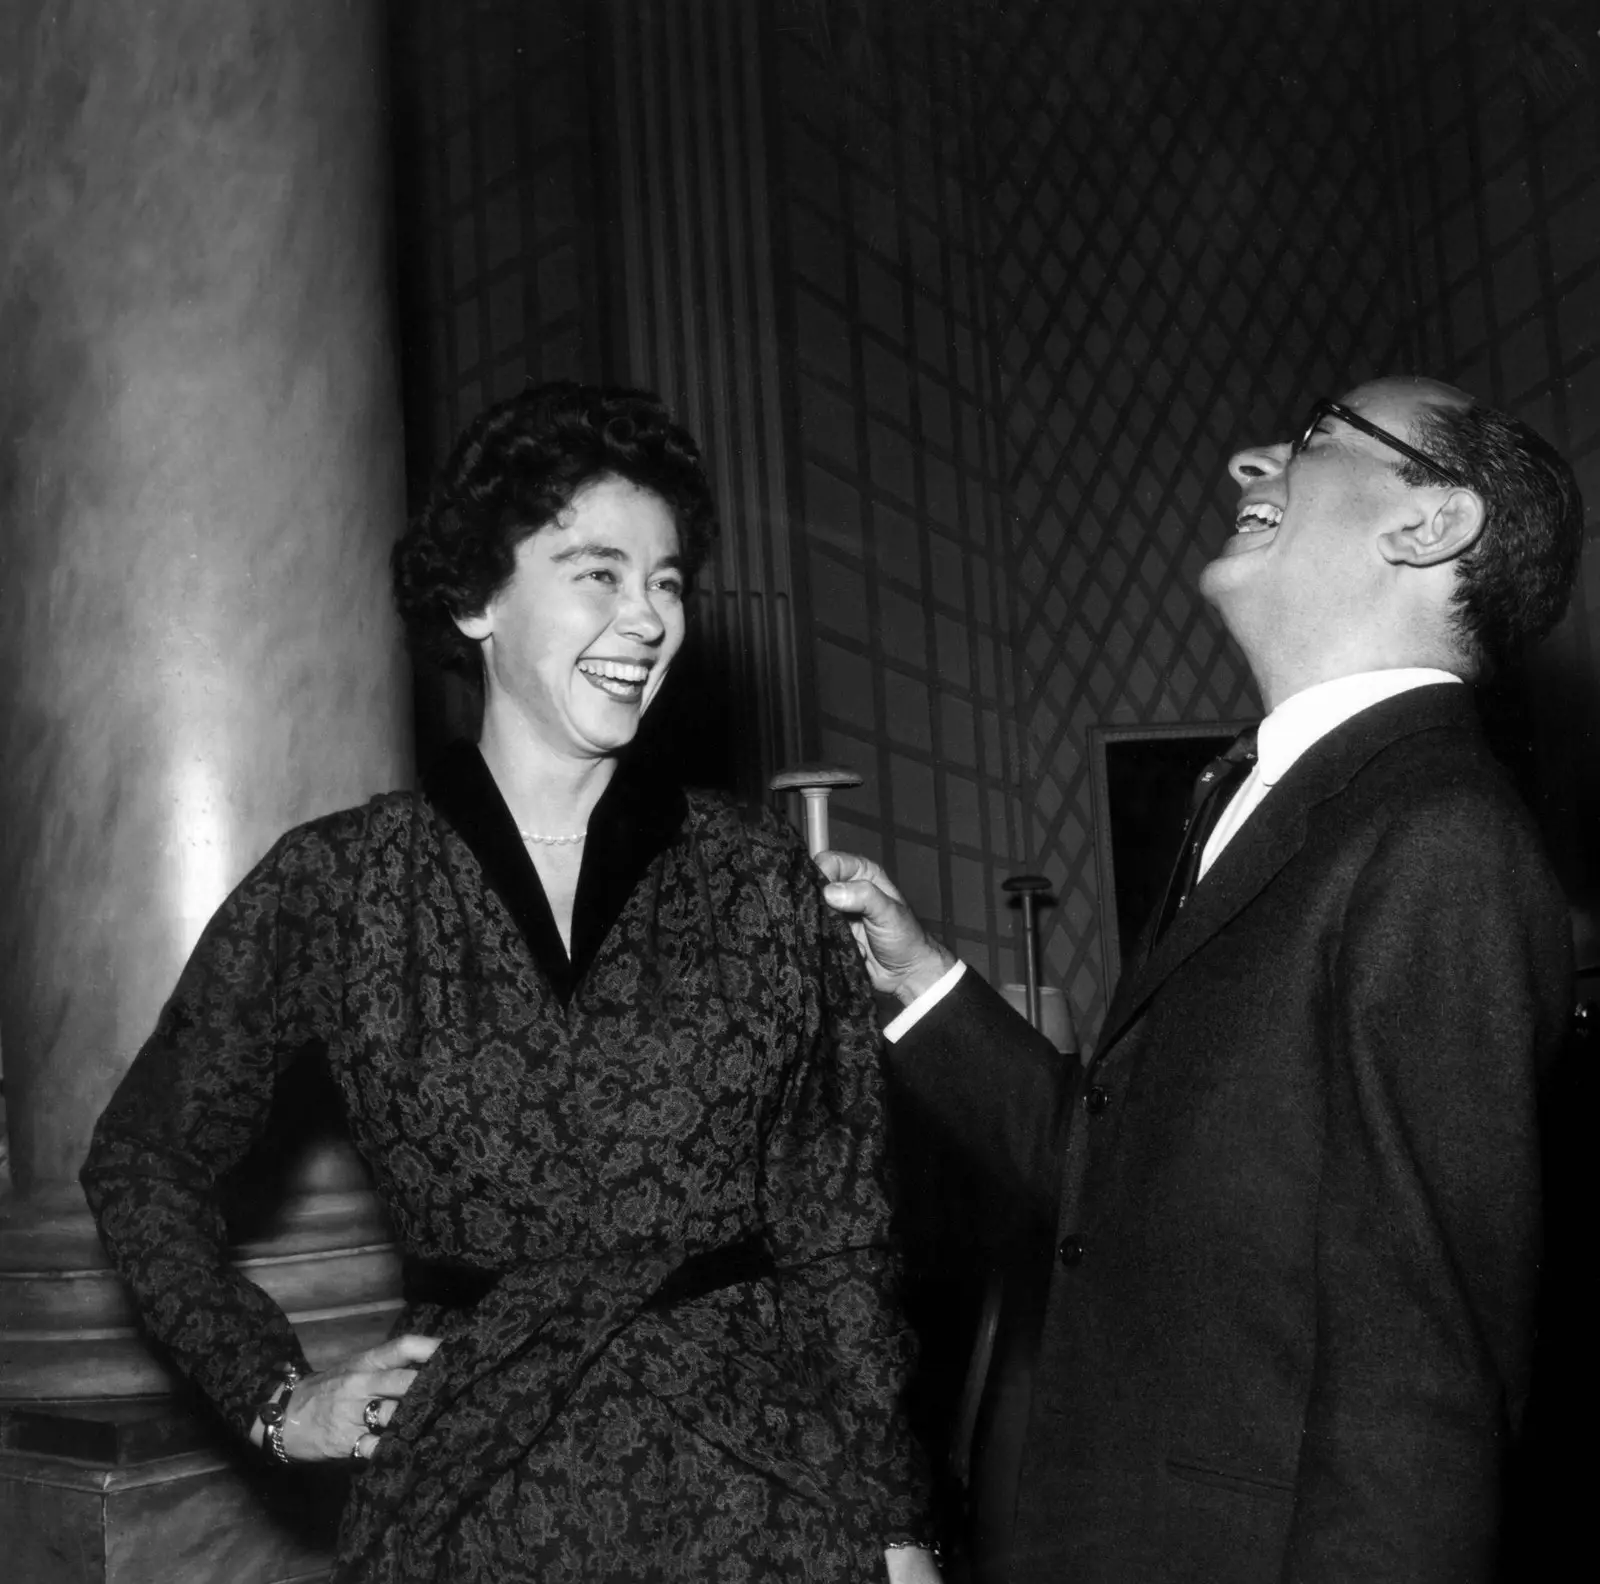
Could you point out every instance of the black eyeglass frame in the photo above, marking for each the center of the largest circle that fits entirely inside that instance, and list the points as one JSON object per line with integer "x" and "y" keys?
{"x": 1332, "y": 409}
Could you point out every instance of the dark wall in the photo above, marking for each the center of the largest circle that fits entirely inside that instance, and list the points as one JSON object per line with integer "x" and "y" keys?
{"x": 499, "y": 244}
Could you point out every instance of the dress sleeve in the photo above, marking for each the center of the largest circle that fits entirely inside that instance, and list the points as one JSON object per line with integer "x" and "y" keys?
{"x": 259, "y": 987}
{"x": 1448, "y": 990}
{"x": 827, "y": 1212}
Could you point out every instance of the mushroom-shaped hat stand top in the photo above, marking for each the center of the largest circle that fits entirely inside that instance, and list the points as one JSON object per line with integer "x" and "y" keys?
{"x": 814, "y": 782}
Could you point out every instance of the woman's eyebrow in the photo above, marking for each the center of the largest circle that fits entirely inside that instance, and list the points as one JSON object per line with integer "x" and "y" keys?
{"x": 597, "y": 548}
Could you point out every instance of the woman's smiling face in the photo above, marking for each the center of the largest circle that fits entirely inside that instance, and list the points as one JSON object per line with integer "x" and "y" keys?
{"x": 578, "y": 642}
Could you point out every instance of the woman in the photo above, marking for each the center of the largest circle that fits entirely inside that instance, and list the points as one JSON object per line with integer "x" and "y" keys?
{"x": 613, "y": 1069}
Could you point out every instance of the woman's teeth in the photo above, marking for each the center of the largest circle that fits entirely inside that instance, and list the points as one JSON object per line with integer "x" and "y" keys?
{"x": 621, "y": 679}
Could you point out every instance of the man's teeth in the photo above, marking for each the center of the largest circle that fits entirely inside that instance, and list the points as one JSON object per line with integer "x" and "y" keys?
{"x": 616, "y": 670}
{"x": 1252, "y": 519}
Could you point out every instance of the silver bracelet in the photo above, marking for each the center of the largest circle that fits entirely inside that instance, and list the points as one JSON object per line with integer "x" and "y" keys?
{"x": 275, "y": 1410}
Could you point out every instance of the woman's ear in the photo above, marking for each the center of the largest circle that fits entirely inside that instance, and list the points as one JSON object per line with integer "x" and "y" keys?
{"x": 1448, "y": 531}
{"x": 477, "y": 628}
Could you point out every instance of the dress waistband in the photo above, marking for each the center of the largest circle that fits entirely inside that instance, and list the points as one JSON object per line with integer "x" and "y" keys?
{"x": 459, "y": 1286}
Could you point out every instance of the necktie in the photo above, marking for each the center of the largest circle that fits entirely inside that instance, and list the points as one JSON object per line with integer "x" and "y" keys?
{"x": 1213, "y": 789}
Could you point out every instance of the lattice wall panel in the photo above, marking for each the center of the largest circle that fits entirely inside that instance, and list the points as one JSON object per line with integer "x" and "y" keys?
{"x": 902, "y": 524}
{"x": 1190, "y": 238}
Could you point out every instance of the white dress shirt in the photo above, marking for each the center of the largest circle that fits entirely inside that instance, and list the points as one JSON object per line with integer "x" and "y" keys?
{"x": 924, "y": 1004}
{"x": 1295, "y": 725}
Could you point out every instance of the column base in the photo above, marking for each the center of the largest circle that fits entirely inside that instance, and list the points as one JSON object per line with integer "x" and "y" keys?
{"x": 122, "y": 1492}
{"x": 67, "y": 1331}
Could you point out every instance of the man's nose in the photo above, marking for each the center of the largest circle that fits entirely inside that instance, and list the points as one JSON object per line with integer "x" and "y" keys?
{"x": 1258, "y": 462}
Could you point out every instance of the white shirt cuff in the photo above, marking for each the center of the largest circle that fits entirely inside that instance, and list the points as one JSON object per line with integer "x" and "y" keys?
{"x": 903, "y": 1022}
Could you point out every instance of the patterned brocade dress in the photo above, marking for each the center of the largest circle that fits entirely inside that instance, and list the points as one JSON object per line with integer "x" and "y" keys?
{"x": 640, "y": 1194}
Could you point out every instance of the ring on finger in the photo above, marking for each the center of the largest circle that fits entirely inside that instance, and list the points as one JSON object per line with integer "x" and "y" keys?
{"x": 355, "y": 1450}
{"x": 369, "y": 1415}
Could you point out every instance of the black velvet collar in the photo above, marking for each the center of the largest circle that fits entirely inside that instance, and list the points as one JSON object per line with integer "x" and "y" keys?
{"x": 636, "y": 818}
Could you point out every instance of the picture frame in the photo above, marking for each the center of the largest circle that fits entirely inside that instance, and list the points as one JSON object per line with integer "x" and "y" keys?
{"x": 1141, "y": 779}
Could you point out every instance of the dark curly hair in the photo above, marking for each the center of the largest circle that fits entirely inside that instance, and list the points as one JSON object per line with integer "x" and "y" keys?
{"x": 1513, "y": 585}
{"x": 515, "y": 468}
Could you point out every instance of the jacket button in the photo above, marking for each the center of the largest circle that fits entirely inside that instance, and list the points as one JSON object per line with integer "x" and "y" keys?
{"x": 1096, "y": 1100}
{"x": 1070, "y": 1250}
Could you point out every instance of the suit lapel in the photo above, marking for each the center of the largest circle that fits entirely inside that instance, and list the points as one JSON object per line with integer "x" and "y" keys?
{"x": 1276, "y": 832}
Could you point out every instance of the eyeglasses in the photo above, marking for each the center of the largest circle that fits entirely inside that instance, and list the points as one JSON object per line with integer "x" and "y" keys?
{"x": 1332, "y": 409}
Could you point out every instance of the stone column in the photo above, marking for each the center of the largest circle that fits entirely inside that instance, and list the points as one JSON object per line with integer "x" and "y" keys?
{"x": 200, "y": 479}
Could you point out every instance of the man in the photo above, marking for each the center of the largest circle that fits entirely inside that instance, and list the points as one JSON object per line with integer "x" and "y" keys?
{"x": 1297, "y": 1236}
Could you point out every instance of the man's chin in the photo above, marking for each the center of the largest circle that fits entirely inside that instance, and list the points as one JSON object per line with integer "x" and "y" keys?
{"x": 1220, "y": 576}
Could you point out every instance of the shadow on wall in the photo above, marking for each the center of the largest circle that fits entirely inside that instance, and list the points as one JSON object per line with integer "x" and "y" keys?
{"x": 1538, "y": 719}
{"x": 1547, "y": 1520}
{"x": 691, "y": 734}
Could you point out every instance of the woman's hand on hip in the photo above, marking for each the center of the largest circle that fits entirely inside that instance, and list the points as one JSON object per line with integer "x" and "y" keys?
{"x": 340, "y": 1412}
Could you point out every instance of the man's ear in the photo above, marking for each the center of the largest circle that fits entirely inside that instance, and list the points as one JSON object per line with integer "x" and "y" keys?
{"x": 1448, "y": 531}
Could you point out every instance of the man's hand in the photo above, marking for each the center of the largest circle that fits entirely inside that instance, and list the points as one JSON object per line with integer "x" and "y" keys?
{"x": 901, "y": 959}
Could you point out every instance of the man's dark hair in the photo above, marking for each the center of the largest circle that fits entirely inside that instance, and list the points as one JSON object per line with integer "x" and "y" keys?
{"x": 1513, "y": 585}
{"x": 515, "y": 469}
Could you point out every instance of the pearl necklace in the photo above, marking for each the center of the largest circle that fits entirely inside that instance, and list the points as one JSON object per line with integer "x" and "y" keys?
{"x": 552, "y": 841}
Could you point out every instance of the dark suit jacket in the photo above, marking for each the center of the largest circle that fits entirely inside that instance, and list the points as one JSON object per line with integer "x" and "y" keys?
{"x": 1288, "y": 1332}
